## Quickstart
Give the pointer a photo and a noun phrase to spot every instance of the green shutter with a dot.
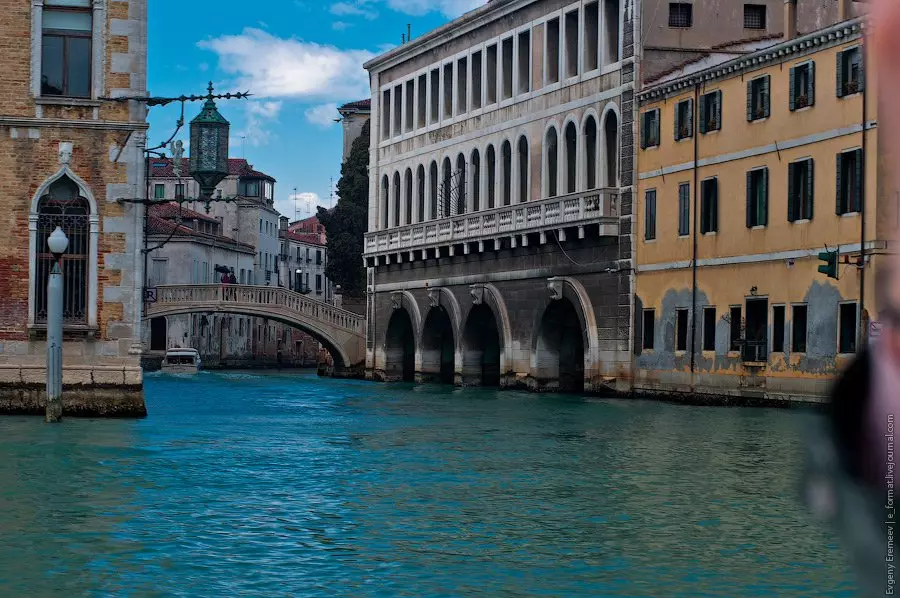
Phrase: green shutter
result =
(718, 110)
(714, 218)
(765, 198)
(657, 124)
(766, 97)
(749, 101)
(810, 188)
(690, 118)
(644, 130)
(702, 114)
(838, 204)
(858, 187)
(792, 95)
(750, 202)
(840, 74)
(677, 121)
(792, 201)
(862, 69)
(811, 84)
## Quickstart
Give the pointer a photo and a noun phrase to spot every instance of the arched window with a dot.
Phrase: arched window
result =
(550, 158)
(446, 188)
(420, 191)
(409, 198)
(491, 177)
(385, 200)
(590, 147)
(460, 185)
(571, 157)
(433, 191)
(64, 207)
(476, 181)
(523, 169)
(506, 156)
(611, 135)
(396, 199)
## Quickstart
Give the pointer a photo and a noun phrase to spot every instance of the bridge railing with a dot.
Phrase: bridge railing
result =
(259, 296)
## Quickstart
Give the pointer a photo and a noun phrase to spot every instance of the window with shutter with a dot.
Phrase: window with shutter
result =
(710, 112)
(765, 96)
(849, 182)
(801, 86)
(650, 215)
(757, 197)
(650, 129)
(709, 216)
(758, 98)
(684, 209)
(850, 75)
(792, 192)
(684, 120)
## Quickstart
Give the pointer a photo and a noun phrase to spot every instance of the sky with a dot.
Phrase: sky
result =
(299, 58)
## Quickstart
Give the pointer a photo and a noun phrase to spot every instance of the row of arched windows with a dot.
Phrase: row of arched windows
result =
(470, 183)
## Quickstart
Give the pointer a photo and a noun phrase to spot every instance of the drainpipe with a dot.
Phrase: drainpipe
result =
(861, 332)
(696, 127)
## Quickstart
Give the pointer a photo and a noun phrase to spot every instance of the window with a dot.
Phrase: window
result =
(491, 74)
(611, 31)
(590, 146)
(460, 207)
(398, 110)
(709, 328)
(507, 50)
(681, 14)
(179, 191)
(63, 206)
(66, 50)
(551, 156)
(422, 101)
(491, 177)
(269, 190)
(571, 43)
(571, 147)
(778, 329)
(798, 329)
(249, 188)
(506, 157)
(849, 182)
(709, 206)
(410, 98)
(523, 58)
(476, 80)
(684, 209)
(650, 129)
(650, 215)
(758, 197)
(711, 112)
(681, 329)
(847, 317)
(736, 328)
(447, 91)
(475, 160)
(318, 257)
(684, 120)
(159, 191)
(649, 324)
(552, 51)
(462, 82)
(754, 16)
(523, 169)
(758, 98)
(800, 190)
(591, 33)
(803, 86)
(850, 74)
(420, 190)
(386, 114)
(435, 96)
(318, 283)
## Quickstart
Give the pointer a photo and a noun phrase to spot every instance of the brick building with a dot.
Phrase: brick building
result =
(66, 156)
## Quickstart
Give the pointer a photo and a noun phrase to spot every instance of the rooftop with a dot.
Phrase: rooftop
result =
(172, 210)
(165, 227)
(161, 168)
(308, 238)
(357, 106)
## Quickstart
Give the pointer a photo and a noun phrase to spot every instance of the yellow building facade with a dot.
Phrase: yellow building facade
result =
(747, 171)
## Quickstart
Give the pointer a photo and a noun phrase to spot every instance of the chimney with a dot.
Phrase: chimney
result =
(790, 19)
(844, 12)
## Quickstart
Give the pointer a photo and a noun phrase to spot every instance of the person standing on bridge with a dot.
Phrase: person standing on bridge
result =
(232, 279)
(225, 279)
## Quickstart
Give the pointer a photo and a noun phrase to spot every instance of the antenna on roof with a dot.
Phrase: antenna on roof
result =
(296, 209)
(408, 32)
(243, 153)
(402, 38)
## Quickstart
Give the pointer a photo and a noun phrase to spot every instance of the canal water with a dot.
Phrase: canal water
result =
(244, 484)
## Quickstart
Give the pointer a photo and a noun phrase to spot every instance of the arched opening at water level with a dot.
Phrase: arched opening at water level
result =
(400, 348)
(438, 347)
(560, 348)
(158, 334)
(481, 348)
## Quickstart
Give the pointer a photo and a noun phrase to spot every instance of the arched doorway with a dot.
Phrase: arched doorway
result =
(481, 348)
(438, 346)
(400, 347)
(560, 348)
(158, 334)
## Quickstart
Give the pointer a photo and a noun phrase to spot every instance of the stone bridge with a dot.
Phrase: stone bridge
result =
(342, 332)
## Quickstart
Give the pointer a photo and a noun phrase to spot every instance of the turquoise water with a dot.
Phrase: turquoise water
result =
(288, 485)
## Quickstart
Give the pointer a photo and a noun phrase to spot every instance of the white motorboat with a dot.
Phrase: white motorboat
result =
(179, 360)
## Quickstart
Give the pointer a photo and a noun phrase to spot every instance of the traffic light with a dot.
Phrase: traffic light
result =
(830, 267)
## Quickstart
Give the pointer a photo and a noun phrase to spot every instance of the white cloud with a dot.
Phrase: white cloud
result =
(275, 67)
(322, 115)
(359, 8)
(341, 25)
(298, 210)
(258, 118)
(449, 8)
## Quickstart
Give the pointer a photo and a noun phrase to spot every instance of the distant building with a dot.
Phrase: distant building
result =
(303, 260)
(748, 170)
(354, 116)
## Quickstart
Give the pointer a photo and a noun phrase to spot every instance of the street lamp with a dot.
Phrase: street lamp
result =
(57, 243)
(209, 147)
(299, 279)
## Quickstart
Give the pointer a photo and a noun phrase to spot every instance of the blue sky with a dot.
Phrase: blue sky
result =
(300, 59)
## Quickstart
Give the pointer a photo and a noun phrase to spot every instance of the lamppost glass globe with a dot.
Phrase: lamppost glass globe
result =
(58, 242)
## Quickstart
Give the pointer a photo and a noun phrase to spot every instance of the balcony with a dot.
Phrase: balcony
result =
(484, 229)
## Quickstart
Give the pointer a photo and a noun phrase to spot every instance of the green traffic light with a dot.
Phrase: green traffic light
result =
(830, 267)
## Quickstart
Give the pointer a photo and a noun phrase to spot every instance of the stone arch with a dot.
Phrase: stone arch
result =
(523, 168)
(439, 338)
(567, 312)
(385, 201)
(397, 198)
(570, 150)
(506, 175)
(85, 193)
(400, 347)
(550, 160)
(475, 192)
(590, 150)
(610, 120)
(486, 323)
(490, 176)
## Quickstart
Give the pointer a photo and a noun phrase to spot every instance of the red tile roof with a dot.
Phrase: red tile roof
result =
(161, 168)
(162, 226)
(357, 106)
(310, 238)
(171, 210)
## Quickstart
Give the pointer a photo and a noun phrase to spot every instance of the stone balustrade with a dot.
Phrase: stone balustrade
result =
(595, 207)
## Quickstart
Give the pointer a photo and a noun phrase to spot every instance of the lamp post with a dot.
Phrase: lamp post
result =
(298, 279)
(57, 243)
